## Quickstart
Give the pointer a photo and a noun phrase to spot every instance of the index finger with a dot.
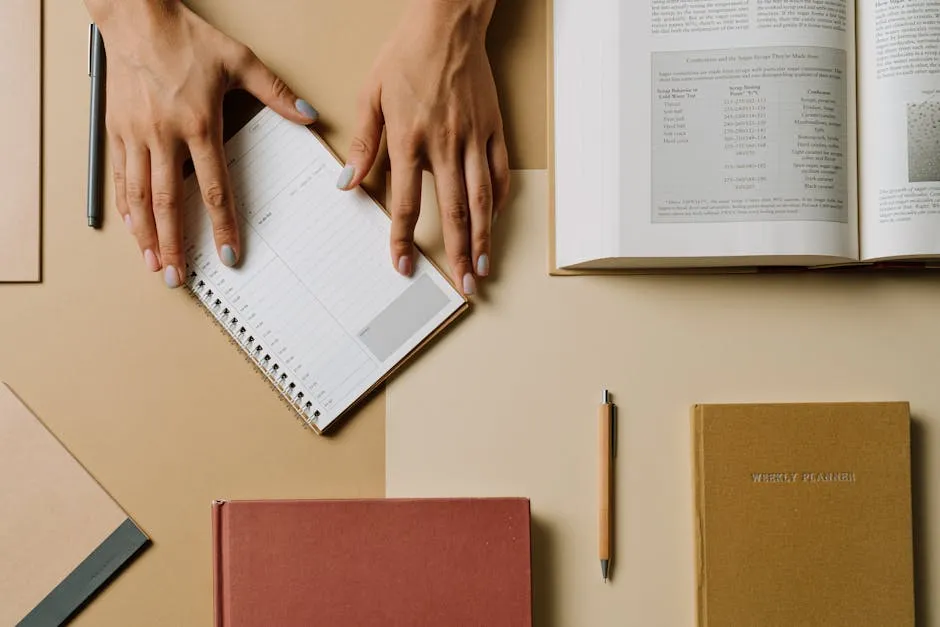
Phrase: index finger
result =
(212, 175)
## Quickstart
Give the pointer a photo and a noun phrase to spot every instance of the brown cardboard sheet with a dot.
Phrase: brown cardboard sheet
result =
(20, 133)
(54, 513)
(133, 377)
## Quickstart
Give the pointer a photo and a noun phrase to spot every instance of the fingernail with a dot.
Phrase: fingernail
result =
(483, 265)
(227, 253)
(127, 222)
(171, 277)
(404, 265)
(151, 260)
(495, 219)
(469, 285)
(346, 176)
(306, 109)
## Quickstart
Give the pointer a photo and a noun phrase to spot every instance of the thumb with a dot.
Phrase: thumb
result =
(365, 143)
(255, 77)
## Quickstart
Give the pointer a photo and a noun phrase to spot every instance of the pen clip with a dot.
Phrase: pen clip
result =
(91, 44)
(613, 430)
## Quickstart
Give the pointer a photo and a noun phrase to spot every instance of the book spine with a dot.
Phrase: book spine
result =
(530, 541)
(218, 563)
(698, 476)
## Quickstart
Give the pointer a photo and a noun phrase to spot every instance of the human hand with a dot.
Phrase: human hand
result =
(168, 71)
(433, 90)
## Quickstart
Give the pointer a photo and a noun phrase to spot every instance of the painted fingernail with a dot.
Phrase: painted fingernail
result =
(227, 254)
(128, 223)
(171, 277)
(306, 109)
(151, 260)
(404, 265)
(483, 265)
(469, 285)
(346, 177)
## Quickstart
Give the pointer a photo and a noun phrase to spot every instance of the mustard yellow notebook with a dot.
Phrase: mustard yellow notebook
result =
(803, 515)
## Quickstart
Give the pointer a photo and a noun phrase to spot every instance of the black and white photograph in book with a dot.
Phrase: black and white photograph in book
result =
(923, 141)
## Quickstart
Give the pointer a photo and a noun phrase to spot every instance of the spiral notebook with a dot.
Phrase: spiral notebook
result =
(315, 303)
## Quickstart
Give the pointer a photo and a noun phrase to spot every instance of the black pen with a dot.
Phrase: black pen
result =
(607, 450)
(96, 71)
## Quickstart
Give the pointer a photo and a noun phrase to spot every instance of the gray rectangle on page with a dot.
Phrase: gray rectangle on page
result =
(416, 306)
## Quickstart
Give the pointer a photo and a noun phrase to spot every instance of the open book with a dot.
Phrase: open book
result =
(735, 133)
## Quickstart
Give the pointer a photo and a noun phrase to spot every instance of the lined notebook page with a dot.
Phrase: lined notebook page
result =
(315, 301)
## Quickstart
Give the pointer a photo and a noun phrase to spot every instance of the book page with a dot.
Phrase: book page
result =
(899, 128)
(586, 156)
(315, 301)
(752, 129)
(734, 131)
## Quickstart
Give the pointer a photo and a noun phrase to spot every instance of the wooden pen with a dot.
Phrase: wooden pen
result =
(606, 426)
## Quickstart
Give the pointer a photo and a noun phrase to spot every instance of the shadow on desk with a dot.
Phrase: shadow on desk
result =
(920, 443)
(544, 578)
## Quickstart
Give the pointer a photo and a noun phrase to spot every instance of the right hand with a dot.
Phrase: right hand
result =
(167, 73)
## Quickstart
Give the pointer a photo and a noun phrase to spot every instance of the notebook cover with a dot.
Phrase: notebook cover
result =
(803, 515)
(62, 537)
(20, 128)
(372, 563)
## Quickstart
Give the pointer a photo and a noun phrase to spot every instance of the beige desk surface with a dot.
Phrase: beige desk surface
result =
(167, 416)
(133, 379)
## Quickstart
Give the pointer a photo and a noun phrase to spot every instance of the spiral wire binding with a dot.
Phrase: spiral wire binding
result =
(240, 334)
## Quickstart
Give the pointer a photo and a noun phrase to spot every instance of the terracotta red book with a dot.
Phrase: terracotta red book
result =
(373, 563)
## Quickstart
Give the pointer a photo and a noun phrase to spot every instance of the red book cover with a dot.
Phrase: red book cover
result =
(373, 563)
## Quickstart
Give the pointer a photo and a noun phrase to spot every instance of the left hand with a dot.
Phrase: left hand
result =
(433, 90)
